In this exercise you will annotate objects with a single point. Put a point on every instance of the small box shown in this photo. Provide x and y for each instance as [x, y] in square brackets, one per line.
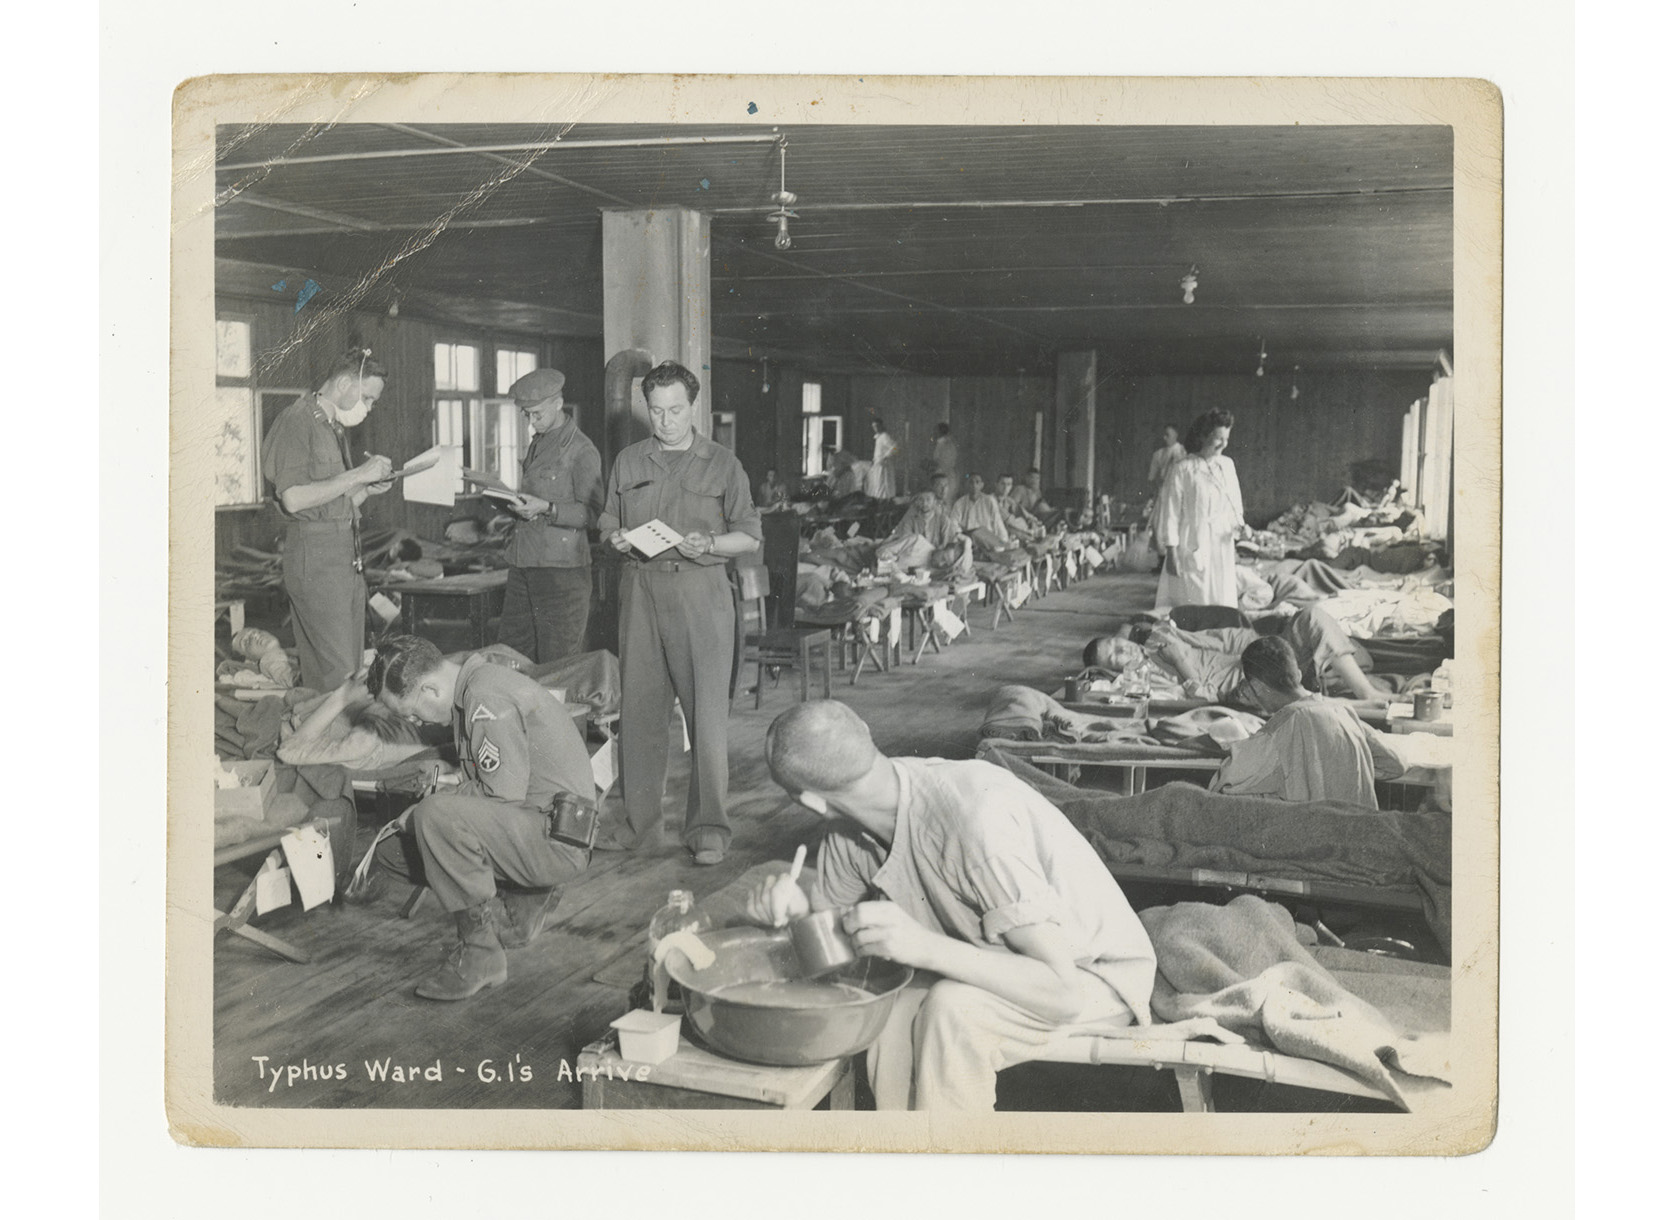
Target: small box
[250, 799]
[647, 1037]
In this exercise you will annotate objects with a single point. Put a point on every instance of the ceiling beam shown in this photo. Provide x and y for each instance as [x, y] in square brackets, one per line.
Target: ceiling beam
[537, 172]
[537, 146]
[935, 305]
[339, 219]
[804, 209]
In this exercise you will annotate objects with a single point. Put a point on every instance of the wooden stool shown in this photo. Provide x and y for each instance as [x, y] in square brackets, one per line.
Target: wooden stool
[698, 1079]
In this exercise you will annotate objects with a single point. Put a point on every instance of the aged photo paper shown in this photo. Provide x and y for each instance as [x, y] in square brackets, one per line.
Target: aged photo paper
[331, 1088]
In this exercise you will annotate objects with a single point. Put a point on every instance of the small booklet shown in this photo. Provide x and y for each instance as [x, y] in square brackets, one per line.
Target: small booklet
[653, 538]
[504, 494]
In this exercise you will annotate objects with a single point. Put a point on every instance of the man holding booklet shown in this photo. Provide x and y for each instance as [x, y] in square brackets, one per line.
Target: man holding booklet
[549, 588]
[678, 507]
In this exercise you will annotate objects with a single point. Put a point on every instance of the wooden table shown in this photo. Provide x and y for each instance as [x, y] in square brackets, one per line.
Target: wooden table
[697, 1079]
[475, 597]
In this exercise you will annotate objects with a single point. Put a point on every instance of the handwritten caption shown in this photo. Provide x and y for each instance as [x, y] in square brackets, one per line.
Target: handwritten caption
[391, 1071]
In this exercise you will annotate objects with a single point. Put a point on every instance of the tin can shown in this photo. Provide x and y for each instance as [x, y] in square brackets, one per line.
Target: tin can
[1072, 690]
[1427, 705]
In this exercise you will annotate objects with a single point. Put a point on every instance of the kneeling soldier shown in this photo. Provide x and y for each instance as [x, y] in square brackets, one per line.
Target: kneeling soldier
[518, 750]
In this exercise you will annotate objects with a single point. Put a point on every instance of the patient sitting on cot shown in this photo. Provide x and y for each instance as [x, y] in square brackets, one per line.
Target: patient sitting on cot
[1311, 748]
[1208, 664]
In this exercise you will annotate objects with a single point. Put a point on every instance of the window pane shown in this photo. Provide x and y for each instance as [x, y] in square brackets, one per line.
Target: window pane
[810, 398]
[525, 363]
[444, 367]
[232, 348]
[465, 367]
[235, 446]
[505, 370]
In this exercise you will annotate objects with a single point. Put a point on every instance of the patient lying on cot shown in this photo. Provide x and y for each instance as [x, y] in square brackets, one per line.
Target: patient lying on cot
[1311, 748]
[1209, 665]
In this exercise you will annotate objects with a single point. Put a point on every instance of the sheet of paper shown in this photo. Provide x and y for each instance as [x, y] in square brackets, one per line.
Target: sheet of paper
[1092, 558]
[950, 623]
[308, 853]
[604, 766]
[420, 463]
[438, 484]
[385, 609]
[653, 538]
[483, 479]
[273, 885]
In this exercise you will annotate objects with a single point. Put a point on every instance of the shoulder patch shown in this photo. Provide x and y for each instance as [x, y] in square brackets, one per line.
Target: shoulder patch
[481, 712]
[488, 757]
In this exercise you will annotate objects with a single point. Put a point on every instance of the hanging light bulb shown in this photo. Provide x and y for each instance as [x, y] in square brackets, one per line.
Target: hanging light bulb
[782, 215]
[1188, 285]
[1261, 361]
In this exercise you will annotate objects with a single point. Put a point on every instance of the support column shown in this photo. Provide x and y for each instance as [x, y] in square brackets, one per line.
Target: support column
[1076, 415]
[656, 308]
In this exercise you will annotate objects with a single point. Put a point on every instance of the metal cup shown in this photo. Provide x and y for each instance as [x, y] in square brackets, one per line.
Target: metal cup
[1072, 690]
[821, 944]
[1427, 705]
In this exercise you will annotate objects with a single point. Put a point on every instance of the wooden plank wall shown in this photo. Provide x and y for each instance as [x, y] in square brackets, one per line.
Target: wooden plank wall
[910, 407]
[1285, 449]
[994, 419]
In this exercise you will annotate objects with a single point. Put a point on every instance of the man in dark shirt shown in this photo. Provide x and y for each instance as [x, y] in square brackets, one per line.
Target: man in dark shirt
[549, 588]
[677, 616]
[306, 456]
[518, 749]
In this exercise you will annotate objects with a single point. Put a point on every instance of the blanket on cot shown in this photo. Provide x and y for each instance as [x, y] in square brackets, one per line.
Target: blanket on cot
[1243, 966]
[1184, 826]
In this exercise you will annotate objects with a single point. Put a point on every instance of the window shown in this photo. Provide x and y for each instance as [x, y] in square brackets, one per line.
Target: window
[723, 428]
[509, 365]
[238, 476]
[458, 405]
[1427, 456]
[822, 435]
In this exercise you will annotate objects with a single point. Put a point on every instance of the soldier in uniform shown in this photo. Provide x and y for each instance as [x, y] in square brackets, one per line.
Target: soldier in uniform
[549, 588]
[320, 490]
[677, 616]
[518, 749]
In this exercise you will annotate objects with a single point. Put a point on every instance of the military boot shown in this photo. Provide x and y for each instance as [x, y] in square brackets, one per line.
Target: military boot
[527, 915]
[477, 962]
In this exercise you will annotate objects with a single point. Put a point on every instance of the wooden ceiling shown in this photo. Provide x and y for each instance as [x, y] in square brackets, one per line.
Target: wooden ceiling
[939, 249]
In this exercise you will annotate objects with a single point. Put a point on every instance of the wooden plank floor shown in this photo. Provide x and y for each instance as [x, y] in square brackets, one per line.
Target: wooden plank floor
[353, 1005]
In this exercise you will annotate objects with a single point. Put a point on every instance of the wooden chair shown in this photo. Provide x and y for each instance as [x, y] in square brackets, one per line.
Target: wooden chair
[785, 647]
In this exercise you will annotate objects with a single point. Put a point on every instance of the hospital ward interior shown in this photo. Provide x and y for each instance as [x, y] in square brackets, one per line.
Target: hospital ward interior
[833, 617]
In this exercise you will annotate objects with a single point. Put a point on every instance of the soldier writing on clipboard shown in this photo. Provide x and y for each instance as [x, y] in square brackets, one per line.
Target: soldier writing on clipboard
[677, 618]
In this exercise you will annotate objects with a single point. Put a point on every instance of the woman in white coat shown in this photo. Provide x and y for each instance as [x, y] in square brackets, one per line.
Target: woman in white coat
[1200, 514]
[880, 480]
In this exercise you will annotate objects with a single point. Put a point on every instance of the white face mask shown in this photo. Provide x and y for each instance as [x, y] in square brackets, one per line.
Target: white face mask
[353, 415]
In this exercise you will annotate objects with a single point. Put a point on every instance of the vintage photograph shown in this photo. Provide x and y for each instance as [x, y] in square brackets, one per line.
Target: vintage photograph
[967, 611]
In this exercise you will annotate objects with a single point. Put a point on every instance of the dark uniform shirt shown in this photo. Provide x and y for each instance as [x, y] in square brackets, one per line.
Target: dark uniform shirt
[562, 467]
[700, 488]
[306, 446]
[516, 742]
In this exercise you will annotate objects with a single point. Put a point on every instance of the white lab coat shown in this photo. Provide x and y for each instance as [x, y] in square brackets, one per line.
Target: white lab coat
[1200, 511]
[880, 480]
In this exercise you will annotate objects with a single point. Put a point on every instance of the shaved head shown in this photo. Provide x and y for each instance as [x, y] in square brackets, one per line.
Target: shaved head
[819, 746]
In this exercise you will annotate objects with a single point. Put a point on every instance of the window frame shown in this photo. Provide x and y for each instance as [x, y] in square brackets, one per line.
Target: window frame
[253, 414]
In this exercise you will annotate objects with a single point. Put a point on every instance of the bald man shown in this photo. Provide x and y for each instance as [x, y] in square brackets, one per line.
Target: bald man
[965, 873]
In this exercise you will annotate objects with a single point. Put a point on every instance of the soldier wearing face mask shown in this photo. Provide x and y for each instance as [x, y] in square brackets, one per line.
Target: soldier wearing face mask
[306, 456]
